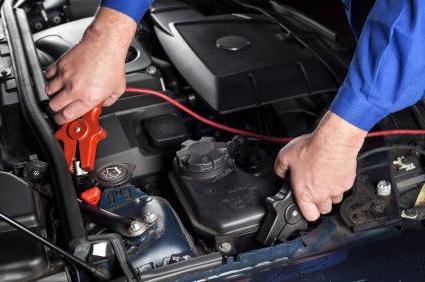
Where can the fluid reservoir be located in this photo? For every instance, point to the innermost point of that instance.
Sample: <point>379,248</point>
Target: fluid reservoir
<point>220,198</point>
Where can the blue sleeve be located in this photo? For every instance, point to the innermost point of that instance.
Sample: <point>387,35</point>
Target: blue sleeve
<point>135,9</point>
<point>387,72</point>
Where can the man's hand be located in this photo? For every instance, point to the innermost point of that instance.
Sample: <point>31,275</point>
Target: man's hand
<point>93,72</point>
<point>322,165</point>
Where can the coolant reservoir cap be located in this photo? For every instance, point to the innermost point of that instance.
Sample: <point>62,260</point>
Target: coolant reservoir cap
<point>114,174</point>
<point>204,156</point>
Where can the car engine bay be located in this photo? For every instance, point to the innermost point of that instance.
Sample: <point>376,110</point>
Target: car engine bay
<point>186,183</point>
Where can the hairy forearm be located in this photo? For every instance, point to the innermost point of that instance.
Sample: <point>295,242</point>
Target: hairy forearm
<point>112,30</point>
<point>335,133</point>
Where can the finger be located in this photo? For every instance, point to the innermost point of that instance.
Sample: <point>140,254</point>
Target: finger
<point>325,206</point>
<point>337,199</point>
<point>60,101</point>
<point>71,112</point>
<point>111,100</point>
<point>281,166</point>
<point>54,86</point>
<point>51,71</point>
<point>348,187</point>
<point>308,209</point>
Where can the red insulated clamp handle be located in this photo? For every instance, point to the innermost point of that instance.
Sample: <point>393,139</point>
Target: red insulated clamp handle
<point>86,133</point>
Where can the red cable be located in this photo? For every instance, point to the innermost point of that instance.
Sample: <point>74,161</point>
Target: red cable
<point>237,131</point>
<point>396,132</point>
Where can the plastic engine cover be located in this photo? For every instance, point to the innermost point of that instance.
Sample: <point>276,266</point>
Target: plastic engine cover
<point>237,62</point>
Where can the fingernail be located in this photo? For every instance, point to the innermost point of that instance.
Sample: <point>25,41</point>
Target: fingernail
<point>49,110</point>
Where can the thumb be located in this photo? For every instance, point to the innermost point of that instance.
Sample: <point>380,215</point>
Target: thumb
<point>281,166</point>
<point>308,209</point>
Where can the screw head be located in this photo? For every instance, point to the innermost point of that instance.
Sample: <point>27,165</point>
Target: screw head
<point>77,129</point>
<point>150,218</point>
<point>151,70</point>
<point>135,227</point>
<point>383,188</point>
<point>57,20</point>
<point>409,214</point>
<point>225,247</point>
<point>38,26</point>
<point>6,72</point>
<point>292,214</point>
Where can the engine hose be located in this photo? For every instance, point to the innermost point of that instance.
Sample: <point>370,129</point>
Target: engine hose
<point>251,134</point>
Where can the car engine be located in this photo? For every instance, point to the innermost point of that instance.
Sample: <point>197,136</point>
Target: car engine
<point>175,194</point>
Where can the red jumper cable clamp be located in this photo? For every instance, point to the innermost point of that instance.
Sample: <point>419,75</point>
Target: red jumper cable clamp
<point>80,139</point>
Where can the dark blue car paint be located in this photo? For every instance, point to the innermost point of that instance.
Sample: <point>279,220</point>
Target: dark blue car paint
<point>328,253</point>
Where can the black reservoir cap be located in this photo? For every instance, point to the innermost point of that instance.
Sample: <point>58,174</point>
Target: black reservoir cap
<point>166,131</point>
<point>204,157</point>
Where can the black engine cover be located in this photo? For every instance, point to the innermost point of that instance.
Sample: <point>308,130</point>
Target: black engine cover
<point>237,62</point>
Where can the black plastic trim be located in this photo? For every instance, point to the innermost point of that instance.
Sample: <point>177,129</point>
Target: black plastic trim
<point>65,195</point>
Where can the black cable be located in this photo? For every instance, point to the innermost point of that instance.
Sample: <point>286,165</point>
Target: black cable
<point>77,274</point>
<point>390,148</point>
<point>53,247</point>
<point>291,33</point>
<point>367,168</point>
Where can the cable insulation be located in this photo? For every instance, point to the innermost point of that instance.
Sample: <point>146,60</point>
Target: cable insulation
<point>236,131</point>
